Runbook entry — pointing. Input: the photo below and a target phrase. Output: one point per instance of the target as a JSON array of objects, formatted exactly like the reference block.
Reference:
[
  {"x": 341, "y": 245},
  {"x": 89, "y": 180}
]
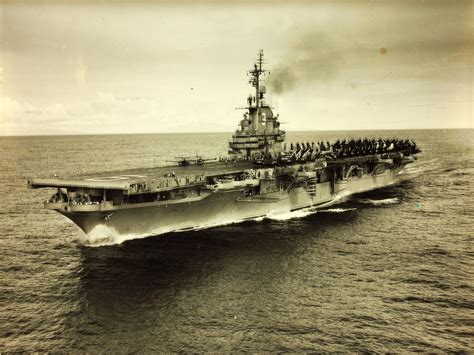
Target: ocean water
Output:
[{"x": 391, "y": 270}]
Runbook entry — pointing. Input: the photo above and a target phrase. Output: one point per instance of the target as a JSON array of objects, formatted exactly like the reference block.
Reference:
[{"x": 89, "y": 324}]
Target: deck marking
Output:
[{"x": 115, "y": 178}]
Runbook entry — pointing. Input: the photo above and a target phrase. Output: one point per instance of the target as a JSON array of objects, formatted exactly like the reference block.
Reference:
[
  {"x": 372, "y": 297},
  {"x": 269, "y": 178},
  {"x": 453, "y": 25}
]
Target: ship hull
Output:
[{"x": 223, "y": 207}]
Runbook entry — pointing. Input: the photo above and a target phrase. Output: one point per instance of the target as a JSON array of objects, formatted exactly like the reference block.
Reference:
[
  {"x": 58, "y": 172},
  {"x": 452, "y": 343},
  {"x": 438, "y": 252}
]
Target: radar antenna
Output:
[{"x": 255, "y": 81}]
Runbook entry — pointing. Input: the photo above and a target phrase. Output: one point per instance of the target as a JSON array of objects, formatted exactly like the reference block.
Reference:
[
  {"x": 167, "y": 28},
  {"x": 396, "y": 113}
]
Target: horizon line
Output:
[{"x": 216, "y": 132}]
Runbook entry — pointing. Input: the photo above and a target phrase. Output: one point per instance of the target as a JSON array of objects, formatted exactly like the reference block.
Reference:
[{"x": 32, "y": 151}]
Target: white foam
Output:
[
  {"x": 341, "y": 197},
  {"x": 103, "y": 235},
  {"x": 100, "y": 235},
  {"x": 283, "y": 216},
  {"x": 338, "y": 210},
  {"x": 386, "y": 201}
]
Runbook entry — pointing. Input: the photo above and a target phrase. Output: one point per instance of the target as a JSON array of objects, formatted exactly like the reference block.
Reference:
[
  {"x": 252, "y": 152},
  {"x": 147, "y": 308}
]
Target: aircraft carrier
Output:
[{"x": 262, "y": 175}]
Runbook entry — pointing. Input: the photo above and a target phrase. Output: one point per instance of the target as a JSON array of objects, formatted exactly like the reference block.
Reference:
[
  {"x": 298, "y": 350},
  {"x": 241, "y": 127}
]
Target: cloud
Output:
[
  {"x": 10, "y": 107},
  {"x": 16, "y": 116},
  {"x": 104, "y": 113},
  {"x": 130, "y": 68}
]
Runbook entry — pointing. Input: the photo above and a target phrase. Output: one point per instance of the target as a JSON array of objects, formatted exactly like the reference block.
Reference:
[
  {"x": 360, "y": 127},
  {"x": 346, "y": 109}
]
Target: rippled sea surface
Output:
[{"x": 390, "y": 270}]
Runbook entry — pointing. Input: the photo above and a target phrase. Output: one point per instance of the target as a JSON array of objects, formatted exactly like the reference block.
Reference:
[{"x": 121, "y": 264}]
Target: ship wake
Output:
[
  {"x": 103, "y": 235},
  {"x": 385, "y": 201},
  {"x": 100, "y": 235},
  {"x": 338, "y": 210},
  {"x": 283, "y": 216}
]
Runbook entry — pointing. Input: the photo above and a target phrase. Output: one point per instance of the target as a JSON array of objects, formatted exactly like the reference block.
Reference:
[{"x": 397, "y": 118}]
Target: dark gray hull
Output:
[{"x": 218, "y": 208}]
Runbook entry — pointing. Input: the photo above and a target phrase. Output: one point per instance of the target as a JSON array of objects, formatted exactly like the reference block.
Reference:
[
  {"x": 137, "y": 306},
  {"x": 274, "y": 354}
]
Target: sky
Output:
[{"x": 160, "y": 67}]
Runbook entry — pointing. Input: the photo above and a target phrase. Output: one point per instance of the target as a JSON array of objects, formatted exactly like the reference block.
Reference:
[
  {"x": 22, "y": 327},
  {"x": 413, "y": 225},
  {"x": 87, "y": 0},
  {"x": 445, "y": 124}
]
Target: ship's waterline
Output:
[{"x": 215, "y": 210}]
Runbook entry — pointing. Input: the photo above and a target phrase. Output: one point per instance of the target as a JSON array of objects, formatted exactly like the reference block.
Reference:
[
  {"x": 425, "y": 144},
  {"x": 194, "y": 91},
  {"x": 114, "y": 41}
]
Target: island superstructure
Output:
[
  {"x": 262, "y": 175},
  {"x": 259, "y": 130}
]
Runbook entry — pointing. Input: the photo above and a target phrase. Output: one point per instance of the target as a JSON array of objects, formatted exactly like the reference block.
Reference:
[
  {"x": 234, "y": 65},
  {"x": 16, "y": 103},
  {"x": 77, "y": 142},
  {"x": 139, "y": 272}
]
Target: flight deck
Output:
[{"x": 122, "y": 180}]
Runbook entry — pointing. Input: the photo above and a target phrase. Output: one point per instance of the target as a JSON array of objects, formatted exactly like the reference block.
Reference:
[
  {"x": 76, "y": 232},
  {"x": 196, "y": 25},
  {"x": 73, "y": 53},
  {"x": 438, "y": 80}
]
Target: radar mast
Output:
[{"x": 259, "y": 130}]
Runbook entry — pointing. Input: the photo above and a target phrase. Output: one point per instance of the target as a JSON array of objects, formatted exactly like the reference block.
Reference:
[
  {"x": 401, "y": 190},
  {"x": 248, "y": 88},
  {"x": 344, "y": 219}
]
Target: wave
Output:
[
  {"x": 341, "y": 197},
  {"x": 460, "y": 172},
  {"x": 103, "y": 235},
  {"x": 338, "y": 210},
  {"x": 385, "y": 201},
  {"x": 421, "y": 166},
  {"x": 283, "y": 216}
]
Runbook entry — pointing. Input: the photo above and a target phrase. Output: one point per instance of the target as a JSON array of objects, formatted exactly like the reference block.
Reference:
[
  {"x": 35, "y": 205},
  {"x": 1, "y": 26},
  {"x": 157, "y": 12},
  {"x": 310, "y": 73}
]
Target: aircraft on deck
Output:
[{"x": 188, "y": 160}]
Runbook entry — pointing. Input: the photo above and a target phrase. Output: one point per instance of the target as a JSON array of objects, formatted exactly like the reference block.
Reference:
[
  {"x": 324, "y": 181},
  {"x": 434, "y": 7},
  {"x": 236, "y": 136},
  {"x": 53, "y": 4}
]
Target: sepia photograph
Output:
[{"x": 239, "y": 176}]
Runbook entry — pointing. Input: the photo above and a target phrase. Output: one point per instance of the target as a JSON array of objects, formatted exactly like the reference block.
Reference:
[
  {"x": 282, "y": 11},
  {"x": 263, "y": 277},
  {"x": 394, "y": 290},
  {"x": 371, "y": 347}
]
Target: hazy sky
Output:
[{"x": 70, "y": 68}]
